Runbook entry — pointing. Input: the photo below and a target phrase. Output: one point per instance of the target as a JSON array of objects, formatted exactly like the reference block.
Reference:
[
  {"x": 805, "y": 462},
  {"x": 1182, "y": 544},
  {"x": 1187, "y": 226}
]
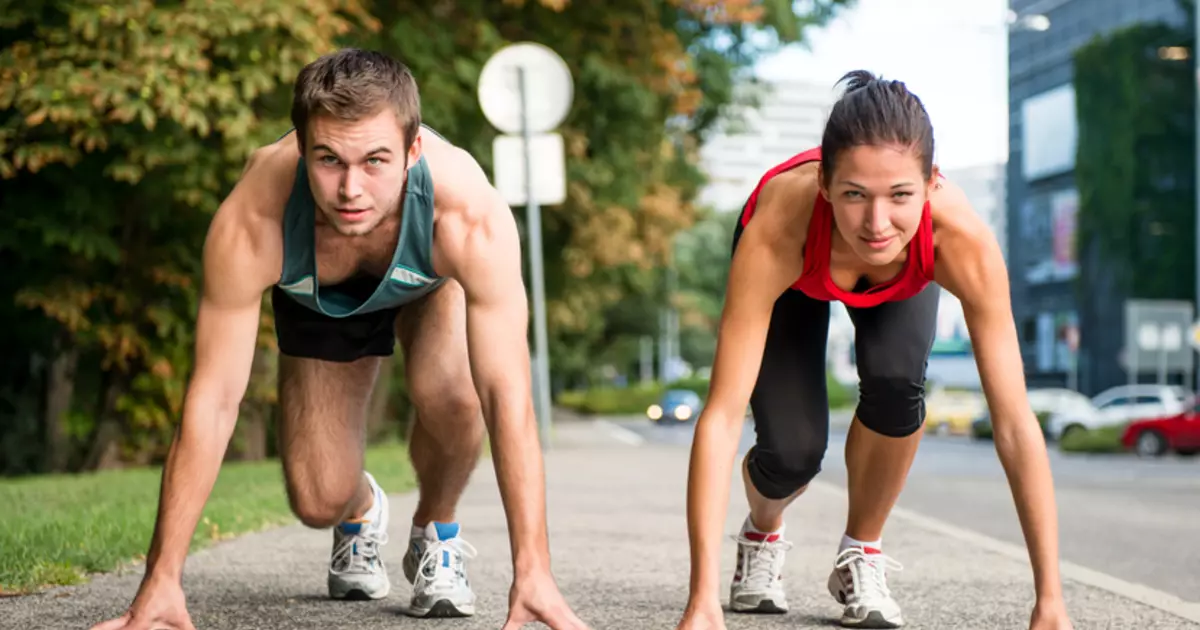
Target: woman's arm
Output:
[
  {"x": 971, "y": 267},
  {"x": 768, "y": 259}
]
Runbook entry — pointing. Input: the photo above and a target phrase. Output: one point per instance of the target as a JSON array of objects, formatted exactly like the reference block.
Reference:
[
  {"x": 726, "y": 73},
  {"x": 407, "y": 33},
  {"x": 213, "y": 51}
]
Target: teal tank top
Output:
[{"x": 410, "y": 274}]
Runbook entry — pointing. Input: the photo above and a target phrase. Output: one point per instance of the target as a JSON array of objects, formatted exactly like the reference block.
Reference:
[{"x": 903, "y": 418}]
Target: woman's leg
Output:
[{"x": 892, "y": 344}]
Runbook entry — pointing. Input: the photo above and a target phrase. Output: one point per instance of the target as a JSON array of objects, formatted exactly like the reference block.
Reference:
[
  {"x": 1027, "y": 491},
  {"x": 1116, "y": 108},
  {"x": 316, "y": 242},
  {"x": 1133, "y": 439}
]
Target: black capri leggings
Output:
[{"x": 790, "y": 401}]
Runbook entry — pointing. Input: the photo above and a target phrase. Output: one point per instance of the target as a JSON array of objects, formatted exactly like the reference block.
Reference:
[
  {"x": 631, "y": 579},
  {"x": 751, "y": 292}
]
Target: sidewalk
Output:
[{"x": 620, "y": 553}]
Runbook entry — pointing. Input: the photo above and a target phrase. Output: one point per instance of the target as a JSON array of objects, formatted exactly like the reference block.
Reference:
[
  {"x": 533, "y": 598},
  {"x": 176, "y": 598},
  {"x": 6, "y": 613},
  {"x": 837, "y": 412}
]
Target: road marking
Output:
[
  {"x": 621, "y": 434},
  {"x": 1069, "y": 570}
]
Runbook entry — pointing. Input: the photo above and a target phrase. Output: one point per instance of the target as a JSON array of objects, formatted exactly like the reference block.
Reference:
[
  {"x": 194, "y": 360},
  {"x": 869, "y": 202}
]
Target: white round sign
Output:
[
  {"x": 548, "y": 88},
  {"x": 1172, "y": 338},
  {"x": 1148, "y": 337}
]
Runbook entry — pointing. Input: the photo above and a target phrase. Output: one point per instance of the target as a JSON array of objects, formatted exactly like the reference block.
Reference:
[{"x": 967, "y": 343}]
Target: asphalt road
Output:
[
  {"x": 1130, "y": 518},
  {"x": 616, "y": 504}
]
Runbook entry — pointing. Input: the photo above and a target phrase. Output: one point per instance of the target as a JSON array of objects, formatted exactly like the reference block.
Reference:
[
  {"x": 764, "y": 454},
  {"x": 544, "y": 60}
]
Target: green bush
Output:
[
  {"x": 635, "y": 399},
  {"x": 1101, "y": 440},
  {"x": 611, "y": 400}
]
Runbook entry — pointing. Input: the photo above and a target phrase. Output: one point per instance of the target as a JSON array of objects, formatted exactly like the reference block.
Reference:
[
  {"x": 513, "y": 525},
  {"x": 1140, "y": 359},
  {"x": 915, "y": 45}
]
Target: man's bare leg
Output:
[
  {"x": 447, "y": 438},
  {"x": 322, "y": 437},
  {"x": 444, "y": 445}
]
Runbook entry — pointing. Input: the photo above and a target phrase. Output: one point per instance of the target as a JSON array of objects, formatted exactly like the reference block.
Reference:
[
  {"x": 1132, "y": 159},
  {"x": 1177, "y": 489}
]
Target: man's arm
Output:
[
  {"x": 482, "y": 251},
  {"x": 235, "y": 277},
  {"x": 972, "y": 268}
]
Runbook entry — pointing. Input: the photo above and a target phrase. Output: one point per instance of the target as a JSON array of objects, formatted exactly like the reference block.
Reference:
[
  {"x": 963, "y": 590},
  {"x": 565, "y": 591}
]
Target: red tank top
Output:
[{"x": 815, "y": 281}]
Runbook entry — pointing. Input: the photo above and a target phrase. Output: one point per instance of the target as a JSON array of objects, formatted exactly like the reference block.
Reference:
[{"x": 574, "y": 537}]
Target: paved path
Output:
[
  {"x": 620, "y": 553},
  {"x": 1115, "y": 511}
]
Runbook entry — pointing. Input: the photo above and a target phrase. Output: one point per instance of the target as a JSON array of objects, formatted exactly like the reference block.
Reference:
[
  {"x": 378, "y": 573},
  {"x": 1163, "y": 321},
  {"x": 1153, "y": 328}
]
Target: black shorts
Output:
[
  {"x": 305, "y": 333},
  {"x": 790, "y": 402}
]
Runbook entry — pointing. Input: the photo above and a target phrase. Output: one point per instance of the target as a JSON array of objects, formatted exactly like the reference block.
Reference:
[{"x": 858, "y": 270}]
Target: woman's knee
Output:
[
  {"x": 777, "y": 471},
  {"x": 891, "y": 406}
]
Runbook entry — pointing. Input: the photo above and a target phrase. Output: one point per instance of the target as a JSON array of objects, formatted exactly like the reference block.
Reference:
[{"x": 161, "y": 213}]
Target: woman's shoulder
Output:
[
  {"x": 953, "y": 216},
  {"x": 789, "y": 197}
]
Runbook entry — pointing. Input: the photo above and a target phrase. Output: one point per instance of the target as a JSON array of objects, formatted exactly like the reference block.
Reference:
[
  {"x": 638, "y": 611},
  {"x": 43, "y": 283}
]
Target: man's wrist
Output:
[
  {"x": 164, "y": 572},
  {"x": 531, "y": 563}
]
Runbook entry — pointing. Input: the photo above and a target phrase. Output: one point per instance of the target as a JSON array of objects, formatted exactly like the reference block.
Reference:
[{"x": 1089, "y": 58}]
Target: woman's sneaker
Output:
[{"x": 859, "y": 582}]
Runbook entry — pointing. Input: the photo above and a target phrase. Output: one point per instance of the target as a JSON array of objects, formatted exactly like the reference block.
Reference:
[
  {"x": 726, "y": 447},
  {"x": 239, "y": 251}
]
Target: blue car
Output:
[{"x": 675, "y": 407}]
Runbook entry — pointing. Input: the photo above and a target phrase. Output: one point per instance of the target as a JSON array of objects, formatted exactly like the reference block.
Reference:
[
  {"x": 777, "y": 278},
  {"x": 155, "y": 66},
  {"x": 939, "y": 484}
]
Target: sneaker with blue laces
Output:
[
  {"x": 436, "y": 565},
  {"x": 356, "y": 569}
]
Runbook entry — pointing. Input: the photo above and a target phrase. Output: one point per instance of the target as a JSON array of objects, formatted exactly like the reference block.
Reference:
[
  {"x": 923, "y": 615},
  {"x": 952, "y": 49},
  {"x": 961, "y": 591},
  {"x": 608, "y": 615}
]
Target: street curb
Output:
[{"x": 1138, "y": 592}]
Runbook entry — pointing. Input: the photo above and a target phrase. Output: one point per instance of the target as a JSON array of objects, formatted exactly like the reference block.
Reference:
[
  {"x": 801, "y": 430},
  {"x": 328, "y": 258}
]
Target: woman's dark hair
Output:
[{"x": 876, "y": 112}]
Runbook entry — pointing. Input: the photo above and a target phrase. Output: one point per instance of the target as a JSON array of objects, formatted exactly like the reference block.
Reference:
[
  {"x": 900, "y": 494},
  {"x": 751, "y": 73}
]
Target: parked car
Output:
[
  {"x": 950, "y": 411},
  {"x": 1046, "y": 403},
  {"x": 675, "y": 406},
  {"x": 1154, "y": 437},
  {"x": 1119, "y": 405}
]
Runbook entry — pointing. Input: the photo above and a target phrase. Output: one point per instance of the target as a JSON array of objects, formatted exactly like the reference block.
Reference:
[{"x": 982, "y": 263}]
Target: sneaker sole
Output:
[
  {"x": 873, "y": 620},
  {"x": 357, "y": 594},
  {"x": 763, "y": 607},
  {"x": 444, "y": 609}
]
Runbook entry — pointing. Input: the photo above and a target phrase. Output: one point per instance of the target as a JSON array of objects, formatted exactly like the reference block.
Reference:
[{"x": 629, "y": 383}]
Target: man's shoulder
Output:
[
  {"x": 460, "y": 186},
  {"x": 248, "y": 226}
]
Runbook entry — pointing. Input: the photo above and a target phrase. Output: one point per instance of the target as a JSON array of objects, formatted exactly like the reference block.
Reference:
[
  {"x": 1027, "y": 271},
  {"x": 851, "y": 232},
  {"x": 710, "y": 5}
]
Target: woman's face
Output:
[{"x": 878, "y": 194}]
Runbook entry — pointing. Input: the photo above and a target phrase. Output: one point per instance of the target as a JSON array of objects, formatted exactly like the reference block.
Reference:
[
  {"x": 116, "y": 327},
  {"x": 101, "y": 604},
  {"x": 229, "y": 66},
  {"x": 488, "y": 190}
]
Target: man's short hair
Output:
[{"x": 352, "y": 84}]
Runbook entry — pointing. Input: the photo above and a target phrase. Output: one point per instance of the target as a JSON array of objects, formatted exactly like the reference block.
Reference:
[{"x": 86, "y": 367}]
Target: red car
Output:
[{"x": 1153, "y": 437}]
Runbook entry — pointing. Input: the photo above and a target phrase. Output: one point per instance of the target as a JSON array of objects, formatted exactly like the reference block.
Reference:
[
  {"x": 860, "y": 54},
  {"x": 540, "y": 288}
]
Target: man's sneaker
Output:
[
  {"x": 356, "y": 569},
  {"x": 859, "y": 582},
  {"x": 758, "y": 575},
  {"x": 436, "y": 565}
]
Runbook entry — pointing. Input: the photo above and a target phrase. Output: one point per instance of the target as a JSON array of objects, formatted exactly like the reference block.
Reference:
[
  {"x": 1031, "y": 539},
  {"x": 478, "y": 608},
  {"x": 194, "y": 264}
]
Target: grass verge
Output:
[
  {"x": 55, "y": 530},
  {"x": 1099, "y": 440}
]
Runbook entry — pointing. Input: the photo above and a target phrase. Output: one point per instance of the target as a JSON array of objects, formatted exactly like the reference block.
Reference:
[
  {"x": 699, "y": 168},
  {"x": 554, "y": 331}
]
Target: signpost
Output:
[
  {"x": 1157, "y": 333},
  {"x": 525, "y": 91}
]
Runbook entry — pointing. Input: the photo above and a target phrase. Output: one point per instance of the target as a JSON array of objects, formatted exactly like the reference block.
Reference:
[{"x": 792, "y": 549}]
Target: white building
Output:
[{"x": 789, "y": 119}]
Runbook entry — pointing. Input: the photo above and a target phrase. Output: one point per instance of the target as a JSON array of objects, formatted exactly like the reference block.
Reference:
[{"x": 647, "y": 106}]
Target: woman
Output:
[{"x": 865, "y": 219}]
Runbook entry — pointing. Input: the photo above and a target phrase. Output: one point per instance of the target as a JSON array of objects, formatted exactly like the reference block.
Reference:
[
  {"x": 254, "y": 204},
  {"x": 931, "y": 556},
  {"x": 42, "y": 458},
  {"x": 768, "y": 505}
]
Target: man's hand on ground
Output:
[
  {"x": 537, "y": 598},
  {"x": 159, "y": 605}
]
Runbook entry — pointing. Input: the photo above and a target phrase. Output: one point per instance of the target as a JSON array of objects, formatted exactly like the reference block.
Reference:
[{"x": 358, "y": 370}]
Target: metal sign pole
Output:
[{"x": 541, "y": 374}]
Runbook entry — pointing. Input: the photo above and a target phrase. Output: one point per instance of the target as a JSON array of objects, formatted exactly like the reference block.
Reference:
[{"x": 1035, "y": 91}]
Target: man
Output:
[{"x": 368, "y": 228}]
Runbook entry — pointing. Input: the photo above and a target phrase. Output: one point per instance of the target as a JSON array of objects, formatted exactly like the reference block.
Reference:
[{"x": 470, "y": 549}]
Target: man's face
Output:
[{"x": 357, "y": 169}]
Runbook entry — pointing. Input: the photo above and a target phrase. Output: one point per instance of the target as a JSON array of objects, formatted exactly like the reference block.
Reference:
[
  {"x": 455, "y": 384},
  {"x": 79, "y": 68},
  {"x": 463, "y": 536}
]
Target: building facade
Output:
[
  {"x": 790, "y": 118},
  {"x": 1062, "y": 344}
]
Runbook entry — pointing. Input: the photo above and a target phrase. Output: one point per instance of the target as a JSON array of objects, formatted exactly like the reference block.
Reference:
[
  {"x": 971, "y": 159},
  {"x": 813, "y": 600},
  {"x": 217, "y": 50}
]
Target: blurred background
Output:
[{"x": 1071, "y": 124}]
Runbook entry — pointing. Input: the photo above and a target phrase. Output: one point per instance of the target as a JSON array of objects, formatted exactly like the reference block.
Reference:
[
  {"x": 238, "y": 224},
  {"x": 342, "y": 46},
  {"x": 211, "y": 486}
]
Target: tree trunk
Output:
[
  {"x": 105, "y": 451},
  {"x": 60, "y": 388}
]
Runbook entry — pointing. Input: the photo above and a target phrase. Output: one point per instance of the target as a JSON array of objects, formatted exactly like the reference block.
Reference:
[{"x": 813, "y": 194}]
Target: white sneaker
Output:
[
  {"x": 758, "y": 575},
  {"x": 356, "y": 569},
  {"x": 859, "y": 582},
  {"x": 436, "y": 565}
]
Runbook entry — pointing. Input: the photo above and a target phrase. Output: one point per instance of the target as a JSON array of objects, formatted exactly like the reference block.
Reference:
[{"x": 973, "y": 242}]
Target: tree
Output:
[
  {"x": 650, "y": 79},
  {"x": 124, "y": 125}
]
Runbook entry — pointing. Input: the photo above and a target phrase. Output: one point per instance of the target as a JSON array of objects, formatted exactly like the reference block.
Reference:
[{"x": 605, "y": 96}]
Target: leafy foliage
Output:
[
  {"x": 1135, "y": 166},
  {"x": 123, "y": 125}
]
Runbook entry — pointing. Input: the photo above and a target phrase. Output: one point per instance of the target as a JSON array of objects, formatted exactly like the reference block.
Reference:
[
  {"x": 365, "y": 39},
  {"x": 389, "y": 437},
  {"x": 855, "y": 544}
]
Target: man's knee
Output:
[
  {"x": 777, "y": 471},
  {"x": 450, "y": 412},
  {"x": 320, "y": 499},
  {"x": 891, "y": 406}
]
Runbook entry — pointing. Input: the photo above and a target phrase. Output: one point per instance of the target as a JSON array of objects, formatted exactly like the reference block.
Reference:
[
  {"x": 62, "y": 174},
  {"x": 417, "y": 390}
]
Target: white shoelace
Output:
[
  {"x": 444, "y": 578},
  {"x": 763, "y": 558},
  {"x": 868, "y": 572},
  {"x": 347, "y": 558}
]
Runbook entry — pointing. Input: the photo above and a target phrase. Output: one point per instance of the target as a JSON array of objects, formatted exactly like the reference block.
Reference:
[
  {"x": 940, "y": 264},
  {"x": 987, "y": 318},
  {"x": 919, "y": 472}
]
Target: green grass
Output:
[
  {"x": 55, "y": 530},
  {"x": 1101, "y": 440}
]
